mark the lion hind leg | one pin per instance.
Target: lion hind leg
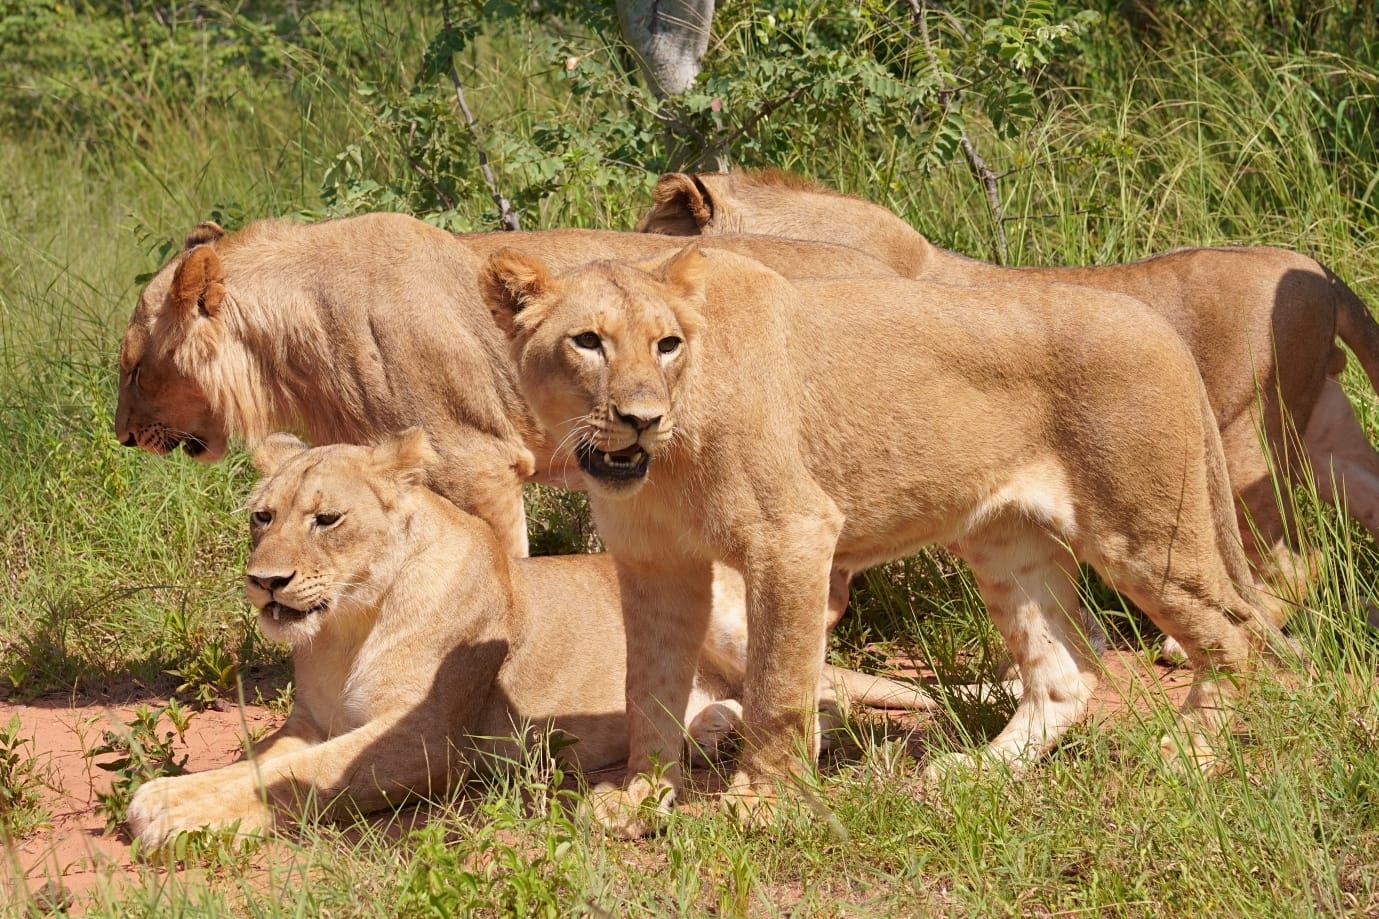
(1345, 464)
(1027, 579)
(1218, 629)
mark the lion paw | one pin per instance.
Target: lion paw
(754, 802)
(1196, 753)
(711, 729)
(948, 765)
(1171, 652)
(163, 807)
(632, 812)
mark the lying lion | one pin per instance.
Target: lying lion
(421, 651)
(880, 416)
(1261, 324)
(346, 330)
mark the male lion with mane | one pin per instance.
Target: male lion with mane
(1261, 324)
(421, 650)
(880, 416)
(348, 329)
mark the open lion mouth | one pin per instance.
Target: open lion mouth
(628, 463)
(280, 612)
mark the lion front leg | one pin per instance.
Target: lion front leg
(215, 800)
(230, 796)
(788, 589)
(666, 614)
(370, 768)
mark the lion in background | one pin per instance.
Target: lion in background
(1261, 324)
(422, 652)
(882, 416)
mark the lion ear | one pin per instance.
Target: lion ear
(681, 206)
(198, 286)
(685, 272)
(513, 283)
(274, 450)
(406, 457)
(207, 231)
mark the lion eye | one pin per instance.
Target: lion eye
(261, 518)
(134, 376)
(326, 520)
(589, 341)
(669, 345)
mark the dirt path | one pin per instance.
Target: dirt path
(75, 850)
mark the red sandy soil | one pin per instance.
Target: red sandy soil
(75, 851)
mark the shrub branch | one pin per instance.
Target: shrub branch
(507, 217)
(948, 98)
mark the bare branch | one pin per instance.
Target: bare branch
(948, 97)
(507, 217)
(421, 170)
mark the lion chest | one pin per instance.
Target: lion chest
(346, 684)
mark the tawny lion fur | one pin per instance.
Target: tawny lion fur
(346, 330)
(721, 413)
(425, 652)
(1261, 324)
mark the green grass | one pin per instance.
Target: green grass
(116, 564)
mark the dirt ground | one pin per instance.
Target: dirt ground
(75, 851)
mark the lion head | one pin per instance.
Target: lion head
(778, 203)
(161, 404)
(324, 528)
(600, 354)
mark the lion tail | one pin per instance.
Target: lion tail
(1356, 327)
(856, 688)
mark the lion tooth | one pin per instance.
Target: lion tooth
(277, 613)
(608, 458)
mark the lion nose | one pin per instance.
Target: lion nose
(130, 441)
(637, 421)
(271, 582)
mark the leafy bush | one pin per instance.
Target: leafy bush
(868, 80)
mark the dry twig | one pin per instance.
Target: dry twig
(507, 217)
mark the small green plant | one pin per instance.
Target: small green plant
(21, 810)
(211, 670)
(140, 754)
(178, 716)
(207, 675)
(493, 868)
(280, 703)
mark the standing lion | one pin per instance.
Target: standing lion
(1261, 324)
(720, 413)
